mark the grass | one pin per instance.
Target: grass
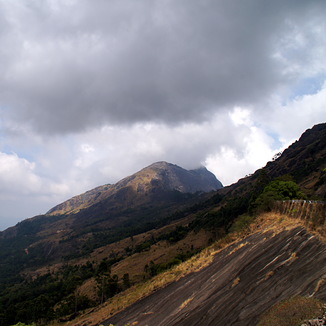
(292, 312)
(236, 282)
(185, 303)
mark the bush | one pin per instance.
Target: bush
(277, 190)
(242, 223)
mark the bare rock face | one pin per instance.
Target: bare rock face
(156, 178)
(244, 281)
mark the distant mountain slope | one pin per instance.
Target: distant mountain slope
(136, 204)
(156, 178)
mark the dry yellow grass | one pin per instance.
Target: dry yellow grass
(236, 282)
(161, 252)
(241, 245)
(269, 274)
(185, 303)
(276, 223)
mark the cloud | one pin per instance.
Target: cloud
(13, 170)
(72, 66)
(24, 192)
(92, 93)
(255, 148)
(289, 120)
(60, 167)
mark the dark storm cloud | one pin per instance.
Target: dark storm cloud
(77, 64)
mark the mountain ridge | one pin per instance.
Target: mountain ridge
(169, 177)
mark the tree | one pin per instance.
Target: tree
(104, 267)
(277, 190)
(126, 281)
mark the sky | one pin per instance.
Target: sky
(92, 91)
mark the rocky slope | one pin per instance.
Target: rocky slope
(244, 281)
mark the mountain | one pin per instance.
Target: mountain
(143, 201)
(97, 244)
(152, 181)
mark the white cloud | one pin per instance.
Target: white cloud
(23, 192)
(90, 94)
(255, 149)
(17, 175)
(289, 120)
(240, 116)
(19, 178)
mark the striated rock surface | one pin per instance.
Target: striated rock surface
(243, 282)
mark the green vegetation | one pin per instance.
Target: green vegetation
(56, 295)
(32, 300)
(277, 190)
(144, 220)
(223, 217)
(179, 233)
(242, 223)
(292, 312)
(237, 213)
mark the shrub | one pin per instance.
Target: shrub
(277, 190)
(242, 223)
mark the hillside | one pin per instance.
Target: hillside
(154, 180)
(96, 245)
(105, 225)
(109, 213)
(305, 160)
(243, 281)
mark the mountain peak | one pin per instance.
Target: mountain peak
(160, 165)
(173, 177)
(158, 177)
